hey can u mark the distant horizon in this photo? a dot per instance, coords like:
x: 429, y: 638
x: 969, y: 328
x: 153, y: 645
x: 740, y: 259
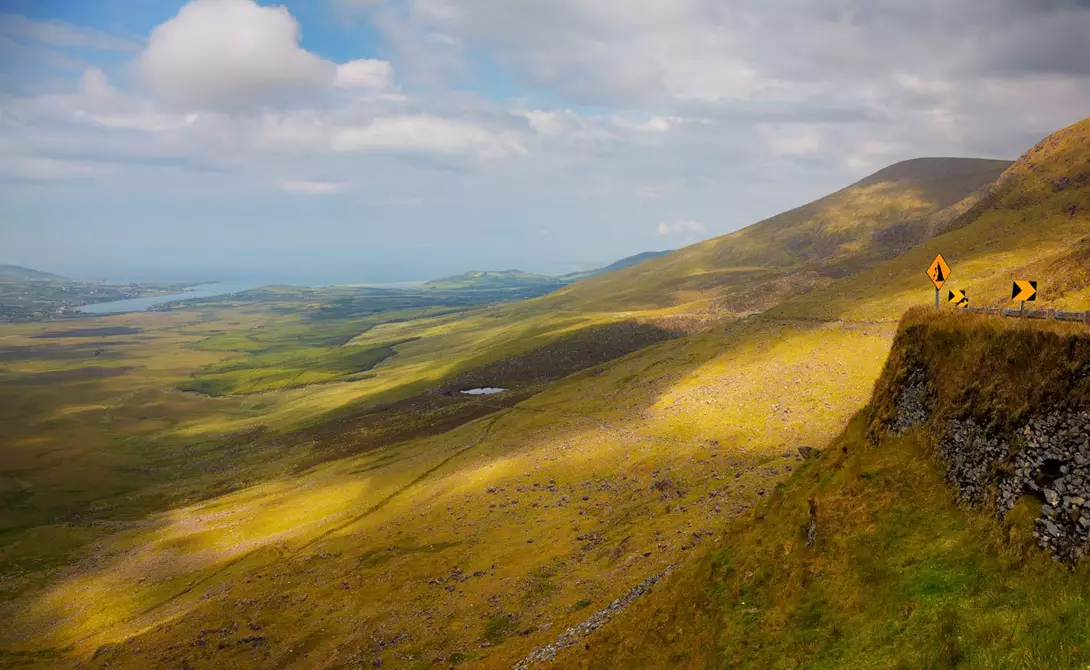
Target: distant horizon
x: 378, y: 274
x: 404, y: 139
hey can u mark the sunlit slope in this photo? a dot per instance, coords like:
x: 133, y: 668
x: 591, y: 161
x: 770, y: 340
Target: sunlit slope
x: 378, y: 555
x: 746, y: 271
x: 893, y: 574
x: 1034, y: 224
x: 730, y: 276
x: 474, y: 546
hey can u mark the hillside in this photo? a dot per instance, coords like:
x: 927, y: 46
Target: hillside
x: 747, y: 271
x: 384, y: 520
x: 517, y: 280
x: 865, y: 558
x: 613, y: 267
x: 19, y: 273
x: 1033, y: 223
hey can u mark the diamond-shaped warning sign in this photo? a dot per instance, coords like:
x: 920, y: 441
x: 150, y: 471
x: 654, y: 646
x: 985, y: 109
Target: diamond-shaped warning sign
x: 939, y: 271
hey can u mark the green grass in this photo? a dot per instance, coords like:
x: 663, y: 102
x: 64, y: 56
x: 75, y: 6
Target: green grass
x: 899, y: 577
x: 331, y: 513
x: 290, y: 367
x: 499, y: 628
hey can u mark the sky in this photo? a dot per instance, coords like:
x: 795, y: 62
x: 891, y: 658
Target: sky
x: 327, y: 141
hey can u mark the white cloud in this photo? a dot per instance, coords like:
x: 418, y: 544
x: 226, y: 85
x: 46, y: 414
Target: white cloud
x: 312, y: 187
x: 428, y: 133
x: 231, y: 55
x: 686, y: 227
x: 365, y: 73
x: 791, y: 139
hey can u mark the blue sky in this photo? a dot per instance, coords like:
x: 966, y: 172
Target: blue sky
x: 390, y: 140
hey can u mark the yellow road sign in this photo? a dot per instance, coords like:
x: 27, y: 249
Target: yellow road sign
x: 1024, y: 291
x: 958, y: 297
x: 939, y: 271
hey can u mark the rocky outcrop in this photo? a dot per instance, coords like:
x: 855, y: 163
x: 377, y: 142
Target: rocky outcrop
x: 912, y: 409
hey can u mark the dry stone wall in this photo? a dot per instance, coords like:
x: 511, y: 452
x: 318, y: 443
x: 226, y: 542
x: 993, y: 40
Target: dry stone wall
x: 1047, y: 458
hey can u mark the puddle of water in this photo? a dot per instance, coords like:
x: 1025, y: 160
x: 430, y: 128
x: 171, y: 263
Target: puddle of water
x: 488, y: 390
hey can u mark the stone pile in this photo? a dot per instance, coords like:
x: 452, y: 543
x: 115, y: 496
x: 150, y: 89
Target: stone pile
x: 576, y: 633
x: 912, y: 402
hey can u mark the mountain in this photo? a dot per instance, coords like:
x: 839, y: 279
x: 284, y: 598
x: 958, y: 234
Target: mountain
x: 619, y: 265
x: 486, y: 280
x: 1032, y: 223
x: 906, y: 533
x: 749, y: 270
x: 639, y: 496
x: 19, y: 273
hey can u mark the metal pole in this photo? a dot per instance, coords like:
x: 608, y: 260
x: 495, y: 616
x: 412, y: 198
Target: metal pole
x: 936, y: 298
x: 1022, y: 310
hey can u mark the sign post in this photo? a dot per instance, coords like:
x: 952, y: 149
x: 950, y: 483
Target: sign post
x: 938, y: 272
x: 1022, y: 292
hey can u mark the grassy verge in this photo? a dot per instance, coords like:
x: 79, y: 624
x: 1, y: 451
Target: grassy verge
x: 863, y: 559
x: 898, y: 577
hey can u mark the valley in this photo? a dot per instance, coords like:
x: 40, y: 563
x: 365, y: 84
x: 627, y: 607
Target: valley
x: 293, y: 477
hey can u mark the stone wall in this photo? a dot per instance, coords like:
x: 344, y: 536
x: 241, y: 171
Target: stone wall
x: 1048, y: 458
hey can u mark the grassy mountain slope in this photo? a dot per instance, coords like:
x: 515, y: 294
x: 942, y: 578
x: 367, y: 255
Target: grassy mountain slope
x: 1033, y: 224
x: 19, y: 273
x: 483, y: 543
x: 749, y: 270
x: 898, y: 575
x: 716, y: 280
x: 505, y: 530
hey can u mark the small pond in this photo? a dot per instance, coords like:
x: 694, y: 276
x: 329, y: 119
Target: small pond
x: 488, y: 390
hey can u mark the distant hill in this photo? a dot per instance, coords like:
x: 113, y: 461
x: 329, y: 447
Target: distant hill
x: 874, y: 219
x: 493, y: 280
x: 517, y: 280
x: 619, y: 265
x: 19, y: 273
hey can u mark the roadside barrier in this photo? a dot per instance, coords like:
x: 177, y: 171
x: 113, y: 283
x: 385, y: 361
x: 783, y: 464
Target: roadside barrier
x: 1046, y: 314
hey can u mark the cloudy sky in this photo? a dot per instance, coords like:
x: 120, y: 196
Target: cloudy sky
x: 388, y: 140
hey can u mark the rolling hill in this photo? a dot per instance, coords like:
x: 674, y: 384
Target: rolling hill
x: 613, y: 267
x: 517, y: 280
x: 491, y: 280
x: 19, y: 273
x: 748, y: 271
x: 650, y: 508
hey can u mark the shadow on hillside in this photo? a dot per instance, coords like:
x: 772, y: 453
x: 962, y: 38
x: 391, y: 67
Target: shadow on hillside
x: 206, y: 552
